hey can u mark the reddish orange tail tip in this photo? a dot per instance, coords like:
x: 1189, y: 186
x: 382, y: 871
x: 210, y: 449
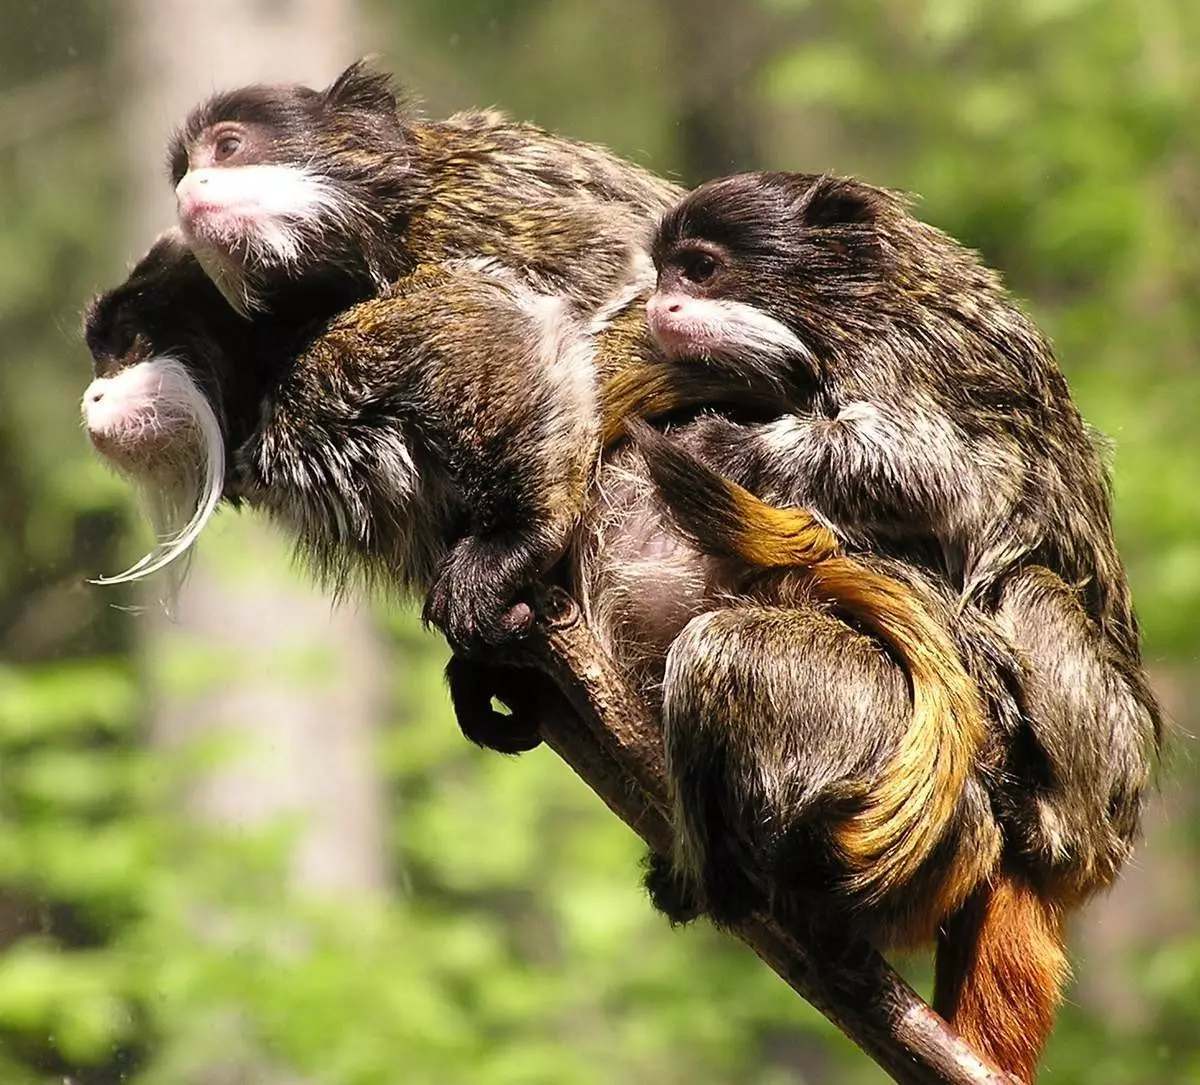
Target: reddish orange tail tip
x: 1001, y: 968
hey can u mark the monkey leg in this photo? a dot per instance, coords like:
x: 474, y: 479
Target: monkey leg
x: 472, y: 686
x: 1001, y: 966
x: 1092, y: 730
x: 777, y: 721
x: 521, y: 435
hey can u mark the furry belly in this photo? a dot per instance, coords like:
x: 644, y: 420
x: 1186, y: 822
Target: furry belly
x: 638, y: 582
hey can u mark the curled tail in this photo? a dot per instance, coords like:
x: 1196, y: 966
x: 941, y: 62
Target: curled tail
x: 905, y: 815
x: 654, y: 389
x: 1001, y: 966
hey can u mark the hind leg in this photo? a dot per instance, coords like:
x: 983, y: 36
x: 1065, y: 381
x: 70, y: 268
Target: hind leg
x: 776, y: 721
x: 1093, y: 729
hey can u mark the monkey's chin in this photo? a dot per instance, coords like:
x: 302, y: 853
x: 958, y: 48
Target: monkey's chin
x: 152, y: 423
x: 143, y: 459
x: 678, y: 340
x: 226, y: 271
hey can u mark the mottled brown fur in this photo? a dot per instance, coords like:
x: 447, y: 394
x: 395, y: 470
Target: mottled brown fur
x: 933, y: 426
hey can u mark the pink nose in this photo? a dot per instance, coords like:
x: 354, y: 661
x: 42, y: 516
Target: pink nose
x: 667, y: 303
x: 190, y: 193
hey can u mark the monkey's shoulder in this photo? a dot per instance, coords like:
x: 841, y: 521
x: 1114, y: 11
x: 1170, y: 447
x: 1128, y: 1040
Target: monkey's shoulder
x: 484, y: 158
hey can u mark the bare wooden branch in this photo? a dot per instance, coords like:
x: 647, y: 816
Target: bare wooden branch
x: 602, y: 730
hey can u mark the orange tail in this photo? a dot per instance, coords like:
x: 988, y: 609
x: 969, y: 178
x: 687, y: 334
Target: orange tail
x: 1001, y: 966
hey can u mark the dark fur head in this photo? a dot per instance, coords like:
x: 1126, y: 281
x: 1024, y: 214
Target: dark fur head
x: 822, y: 265
x: 823, y: 255
x: 178, y: 380
x: 278, y: 184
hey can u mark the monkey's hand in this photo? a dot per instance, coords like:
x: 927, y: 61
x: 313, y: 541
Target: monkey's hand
x: 474, y: 598
x: 472, y: 687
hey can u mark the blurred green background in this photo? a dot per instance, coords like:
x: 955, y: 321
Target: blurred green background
x: 248, y: 845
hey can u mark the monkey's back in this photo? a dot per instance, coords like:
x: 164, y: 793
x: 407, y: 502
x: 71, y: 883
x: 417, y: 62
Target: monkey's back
x: 572, y: 217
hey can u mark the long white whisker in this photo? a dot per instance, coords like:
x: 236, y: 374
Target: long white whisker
x: 202, y: 490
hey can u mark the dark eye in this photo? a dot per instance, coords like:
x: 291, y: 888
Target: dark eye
x: 697, y: 267
x: 227, y: 145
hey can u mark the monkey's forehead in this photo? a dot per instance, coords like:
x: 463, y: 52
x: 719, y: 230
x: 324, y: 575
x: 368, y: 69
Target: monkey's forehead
x: 286, y: 106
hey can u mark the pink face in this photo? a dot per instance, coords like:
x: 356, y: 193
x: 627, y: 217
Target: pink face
x: 684, y: 326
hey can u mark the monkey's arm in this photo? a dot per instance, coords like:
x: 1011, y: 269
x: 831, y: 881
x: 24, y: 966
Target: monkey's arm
x: 493, y: 386
x: 514, y: 391
x: 894, y: 469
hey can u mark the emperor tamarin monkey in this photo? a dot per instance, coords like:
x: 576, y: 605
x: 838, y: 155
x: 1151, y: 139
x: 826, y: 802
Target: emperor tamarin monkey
x: 751, y: 618
x: 299, y: 202
x: 935, y: 426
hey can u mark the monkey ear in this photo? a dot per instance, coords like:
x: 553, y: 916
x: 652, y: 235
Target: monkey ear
x: 840, y: 201
x: 362, y: 87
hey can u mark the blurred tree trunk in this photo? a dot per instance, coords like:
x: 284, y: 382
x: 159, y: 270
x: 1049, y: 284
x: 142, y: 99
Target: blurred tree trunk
x: 719, y: 51
x: 254, y: 652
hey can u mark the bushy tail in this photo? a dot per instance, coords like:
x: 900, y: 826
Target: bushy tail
x: 906, y: 814
x: 1001, y: 966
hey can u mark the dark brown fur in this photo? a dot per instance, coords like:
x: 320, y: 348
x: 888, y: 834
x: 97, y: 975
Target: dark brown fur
x: 938, y: 428
x: 354, y: 453
x: 790, y: 690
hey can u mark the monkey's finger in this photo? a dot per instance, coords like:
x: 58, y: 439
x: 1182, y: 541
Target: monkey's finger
x: 518, y: 620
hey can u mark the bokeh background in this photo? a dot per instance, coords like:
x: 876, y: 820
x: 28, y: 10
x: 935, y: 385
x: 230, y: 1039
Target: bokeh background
x: 247, y: 845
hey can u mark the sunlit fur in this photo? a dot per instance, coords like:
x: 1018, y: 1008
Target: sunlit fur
x: 258, y: 217
x: 904, y: 817
x: 730, y: 333
x: 941, y: 420
x: 889, y: 442
x: 1000, y: 972
x: 153, y: 423
x: 939, y: 427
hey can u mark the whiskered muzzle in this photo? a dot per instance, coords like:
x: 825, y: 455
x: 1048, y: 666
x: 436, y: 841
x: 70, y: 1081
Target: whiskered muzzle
x: 153, y: 423
x: 245, y: 222
x: 728, y: 333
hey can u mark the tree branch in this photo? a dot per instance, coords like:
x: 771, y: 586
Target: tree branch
x: 601, y: 729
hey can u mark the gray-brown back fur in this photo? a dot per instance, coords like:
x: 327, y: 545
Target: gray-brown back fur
x: 940, y: 427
